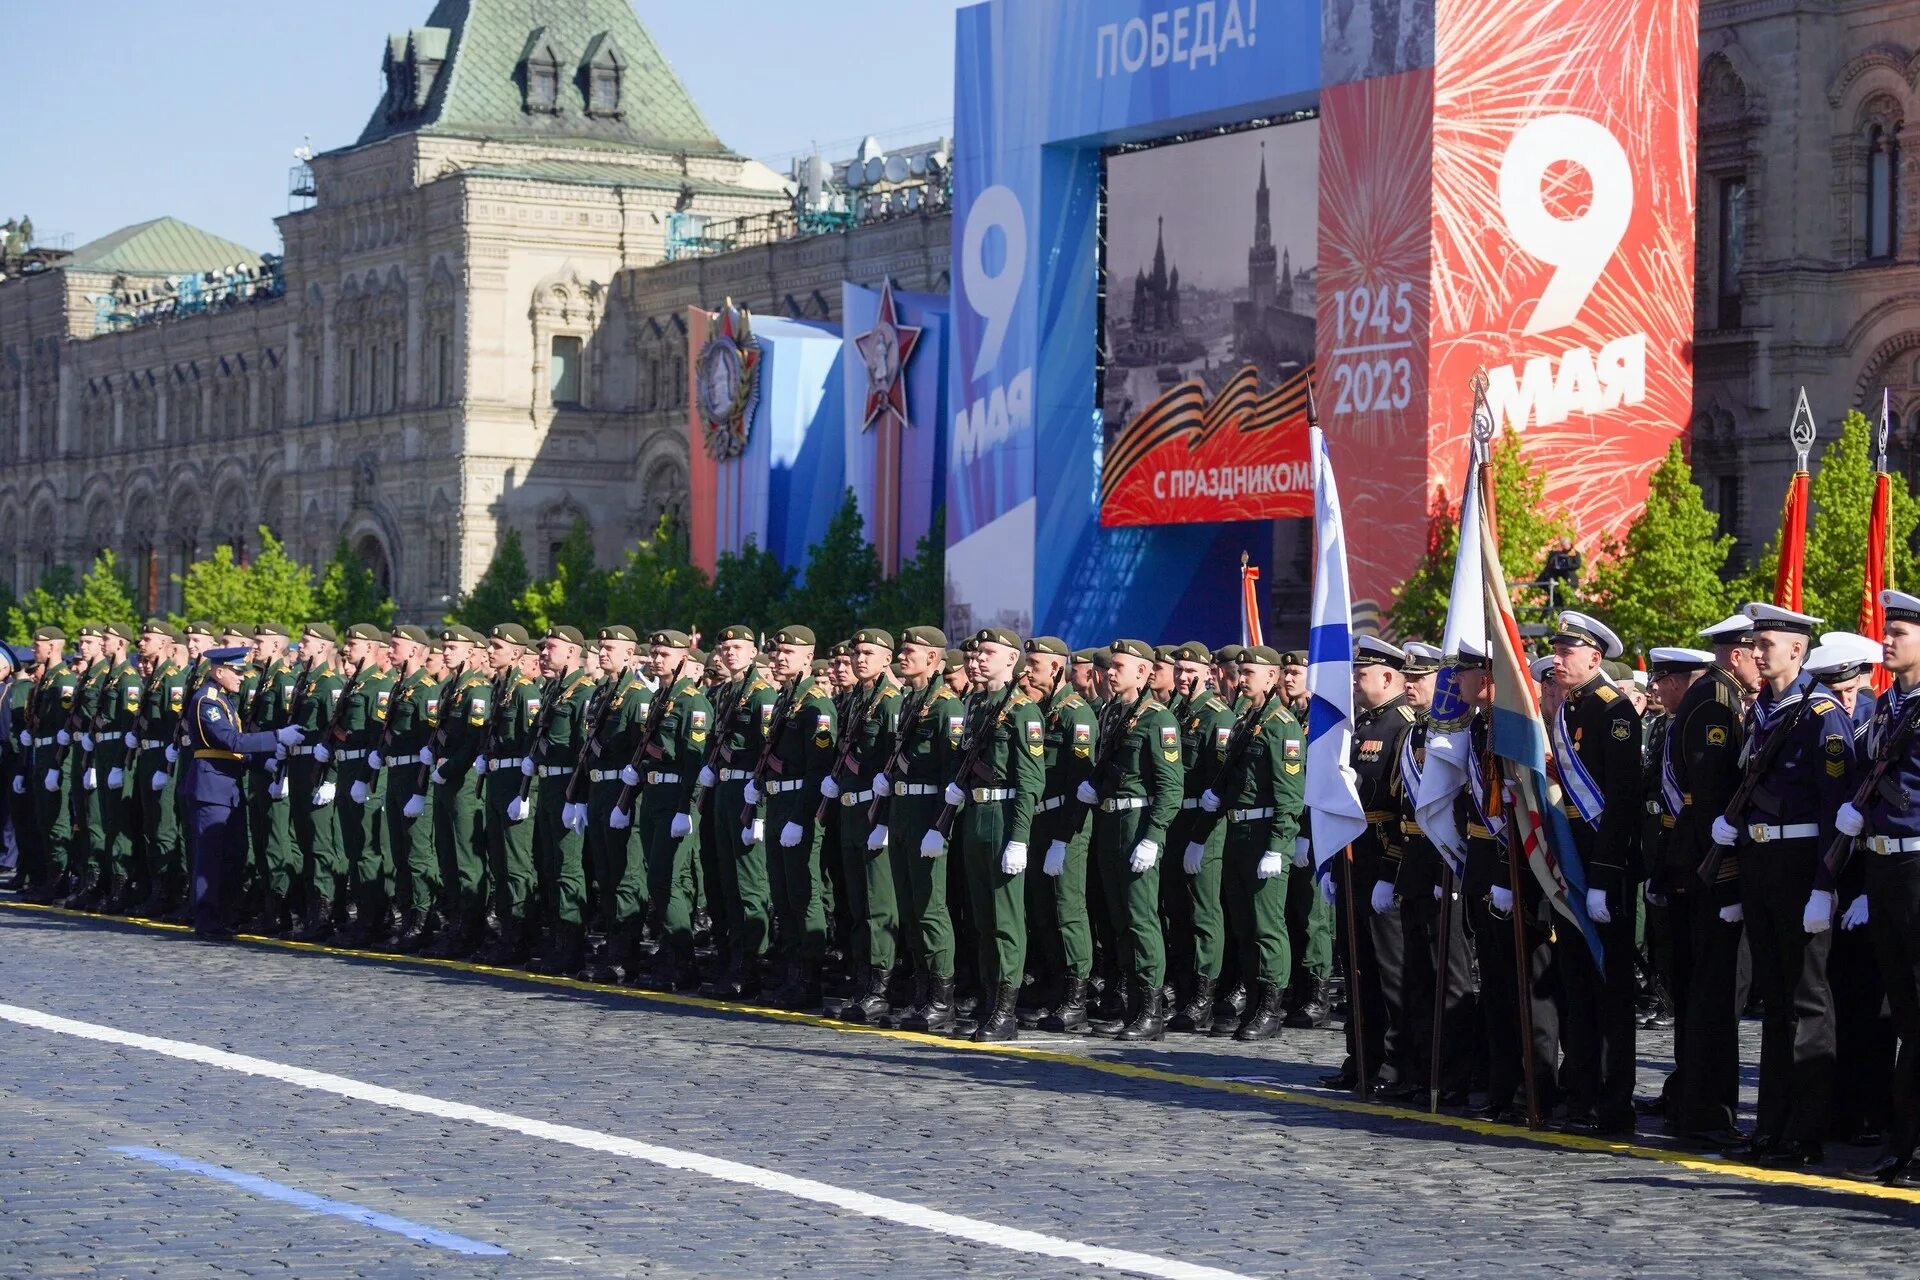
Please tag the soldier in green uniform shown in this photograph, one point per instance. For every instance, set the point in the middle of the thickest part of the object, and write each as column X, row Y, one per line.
column 163, row 693
column 619, row 873
column 1196, row 923
column 118, row 712
column 448, row 765
column 1135, row 789
column 411, row 712
column 872, row 717
column 87, row 860
column 56, row 687
column 357, row 791
column 1309, row 915
column 797, row 754
column 15, row 750
column 999, row 776
column 268, row 706
column 743, row 711
column 509, row 836
column 1057, row 898
column 1258, row 796
column 660, row 774
column 315, row 822
column 557, row 847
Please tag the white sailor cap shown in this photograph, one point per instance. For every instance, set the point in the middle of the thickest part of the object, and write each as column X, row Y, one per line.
column 1372, row 651
column 1843, row 655
column 1578, row 628
column 1771, row 617
column 1639, row 678
column 1670, row 661
column 1900, row 606
column 1472, row 656
column 1542, row 667
column 1736, row 630
column 1423, row 659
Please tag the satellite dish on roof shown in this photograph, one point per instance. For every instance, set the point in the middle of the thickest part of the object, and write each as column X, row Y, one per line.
column 856, row 175
column 876, row 169
column 896, row 169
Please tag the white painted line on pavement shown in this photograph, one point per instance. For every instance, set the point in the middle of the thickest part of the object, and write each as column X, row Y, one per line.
column 901, row 1212
column 315, row 1204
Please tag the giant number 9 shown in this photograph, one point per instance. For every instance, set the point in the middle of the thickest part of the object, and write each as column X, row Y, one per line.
column 993, row 296
column 1578, row 248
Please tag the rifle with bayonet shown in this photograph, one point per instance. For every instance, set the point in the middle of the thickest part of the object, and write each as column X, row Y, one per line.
column 1759, row 763
column 718, row 754
column 598, row 708
column 783, row 709
column 973, row 745
column 1892, row 750
column 861, row 706
column 912, row 707
column 656, row 712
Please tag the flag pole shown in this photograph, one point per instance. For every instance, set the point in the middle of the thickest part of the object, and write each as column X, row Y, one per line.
column 1496, row 779
column 1356, row 998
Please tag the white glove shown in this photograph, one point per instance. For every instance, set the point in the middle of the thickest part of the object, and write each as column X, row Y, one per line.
column 64, row 738
column 1856, row 913
column 932, row 844
column 425, row 756
column 1502, row 899
column 1818, row 917
column 53, row 780
column 436, row 777
column 322, row 752
column 517, row 809
column 1085, row 794
column 26, row 737
column 128, row 740
column 882, row 785
column 526, row 766
column 829, row 788
column 1382, row 899
column 277, row 790
column 953, row 795
column 1013, row 859
column 1597, row 910
column 1849, row 821
column 790, row 835
column 1302, row 851
column 1326, row 889
column 1733, row 914
column 1656, row 899
column 159, row 780
column 750, row 793
column 376, row 761
column 569, row 814
column 1144, row 855
column 414, row 807
column 1195, row 855
column 323, row 795
column 877, row 838
column 619, row 819
column 706, row 778
column 1724, row 832
column 358, row 792
column 279, row 753
column 1437, row 893
column 87, row 779
column 116, row 778
column 754, row 832
column 1271, row 865
column 288, row 736
column 86, row 742
column 479, row 764
column 629, row 776
column 1056, row 859
column 173, row 755
column 19, row 784
column 682, row 823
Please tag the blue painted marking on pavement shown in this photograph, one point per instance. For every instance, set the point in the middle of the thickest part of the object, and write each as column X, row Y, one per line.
column 316, row 1204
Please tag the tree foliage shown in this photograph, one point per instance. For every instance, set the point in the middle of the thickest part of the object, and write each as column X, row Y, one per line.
column 497, row 597
column 751, row 588
column 843, row 574
column 576, row 593
column 100, row 597
column 348, row 592
column 1841, row 499
column 658, row 585
column 272, row 587
column 1662, row 583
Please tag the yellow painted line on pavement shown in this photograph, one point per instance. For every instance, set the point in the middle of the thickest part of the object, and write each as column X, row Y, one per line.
column 1105, row 1066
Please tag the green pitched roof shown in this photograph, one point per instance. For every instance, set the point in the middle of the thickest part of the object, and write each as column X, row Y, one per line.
column 160, row 247
column 587, row 173
column 479, row 92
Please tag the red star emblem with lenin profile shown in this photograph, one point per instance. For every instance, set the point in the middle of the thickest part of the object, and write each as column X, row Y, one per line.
column 885, row 350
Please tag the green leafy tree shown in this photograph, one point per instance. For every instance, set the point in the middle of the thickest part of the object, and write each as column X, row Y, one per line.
column 218, row 589
column 44, row 605
column 280, row 588
column 102, row 596
column 917, row 595
column 1662, row 583
column 577, row 591
column 497, row 596
column 1841, row 497
column 843, row 574
column 658, row 585
column 1529, row 527
column 752, row 588
column 349, row 593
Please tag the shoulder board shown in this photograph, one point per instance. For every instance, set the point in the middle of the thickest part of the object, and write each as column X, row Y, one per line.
column 757, row 685
column 890, row 691
column 1018, row 700
column 1606, row 693
column 1406, row 712
column 1823, row 706
column 1072, row 700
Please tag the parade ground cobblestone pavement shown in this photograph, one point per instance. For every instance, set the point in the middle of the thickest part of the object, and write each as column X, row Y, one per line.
column 1148, row 1149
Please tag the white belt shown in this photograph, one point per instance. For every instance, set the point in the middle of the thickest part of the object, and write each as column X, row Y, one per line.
column 735, row 775
column 982, row 795
column 655, row 778
column 852, row 798
column 915, row 789
column 1249, row 815
column 43, row 742
column 1761, row 833
column 299, row 751
column 554, row 770
column 1123, row 803
column 1049, row 805
column 152, row 744
column 603, row 775
column 511, row 762
column 1894, row 844
column 1190, row 804
column 358, row 754
column 781, row 788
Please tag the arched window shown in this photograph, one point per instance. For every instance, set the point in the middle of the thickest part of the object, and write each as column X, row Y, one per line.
column 1883, row 168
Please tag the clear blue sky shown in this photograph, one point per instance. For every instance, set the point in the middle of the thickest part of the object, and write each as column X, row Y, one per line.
column 123, row 110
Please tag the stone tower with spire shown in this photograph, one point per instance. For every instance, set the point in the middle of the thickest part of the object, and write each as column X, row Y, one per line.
column 1261, row 266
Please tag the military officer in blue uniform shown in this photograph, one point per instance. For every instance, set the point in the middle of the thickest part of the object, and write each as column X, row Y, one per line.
column 210, row 787
column 1800, row 748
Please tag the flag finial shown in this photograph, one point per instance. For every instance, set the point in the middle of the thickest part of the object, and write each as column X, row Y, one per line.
column 1802, row 430
column 1482, row 413
column 1886, row 398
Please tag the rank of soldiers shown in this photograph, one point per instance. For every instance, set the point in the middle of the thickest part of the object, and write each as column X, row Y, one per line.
column 1010, row 834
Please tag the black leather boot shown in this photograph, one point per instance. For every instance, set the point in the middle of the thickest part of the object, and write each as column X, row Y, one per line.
column 153, row 906
column 937, row 1017
column 1313, row 1011
column 1071, row 1015
column 1197, row 1013
column 86, row 893
column 119, row 896
column 413, row 927
column 272, row 917
column 1263, row 1015
column 319, row 922
column 910, row 1012
column 1001, row 1021
column 870, row 1007
column 1150, row 1018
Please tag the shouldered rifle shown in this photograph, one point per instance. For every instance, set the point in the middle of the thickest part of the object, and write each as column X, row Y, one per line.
column 1891, row 749
column 861, row 703
column 783, row 709
column 972, row 746
column 1758, row 765
column 662, row 702
column 597, row 709
column 717, row 754
column 336, row 731
column 912, row 707
column 1233, row 761
column 442, row 731
column 1111, row 736
column 542, row 724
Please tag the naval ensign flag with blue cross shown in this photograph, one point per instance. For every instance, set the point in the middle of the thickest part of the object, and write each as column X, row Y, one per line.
column 1333, row 790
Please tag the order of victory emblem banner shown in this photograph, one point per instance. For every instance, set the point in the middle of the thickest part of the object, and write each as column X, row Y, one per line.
column 727, row 378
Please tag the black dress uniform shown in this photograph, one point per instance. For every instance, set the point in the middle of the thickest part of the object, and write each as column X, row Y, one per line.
column 1863, row 1035
column 210, row 791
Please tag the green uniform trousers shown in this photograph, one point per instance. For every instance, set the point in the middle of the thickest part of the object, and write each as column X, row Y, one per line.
column 559, row 855
column 925, row 921
column 54, row 814
column 619, row 870
column 669, row 861
column 1058, row 906
column 509, row 848
column 1196, row 925
column 162, row 852
column 316, row 831
column 1258, row 907
column 745, row 888
column 874, row 890
column 460, row 836
column 1309, row 924
column 269, row 830
column 417, row 883
column 800, row 889
column 363, row 837
column 1130, row 899
column 997, row 901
